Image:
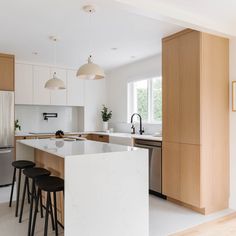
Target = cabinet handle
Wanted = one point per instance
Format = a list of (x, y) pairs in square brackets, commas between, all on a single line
[(5, 151)]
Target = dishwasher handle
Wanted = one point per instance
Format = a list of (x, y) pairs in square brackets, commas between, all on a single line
[(146, 146)]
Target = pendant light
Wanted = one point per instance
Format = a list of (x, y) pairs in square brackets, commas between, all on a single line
[(55, 83), (90, 70)]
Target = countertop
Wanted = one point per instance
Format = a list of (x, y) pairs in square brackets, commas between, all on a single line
[(115, 134), (62, 148)]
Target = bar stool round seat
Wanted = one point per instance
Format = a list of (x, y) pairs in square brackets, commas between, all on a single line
[(23, 164), (19, 165), (36, 172), (48, 184)]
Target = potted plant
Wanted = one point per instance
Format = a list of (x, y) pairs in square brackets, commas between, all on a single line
[(106, 116), (17, 125)]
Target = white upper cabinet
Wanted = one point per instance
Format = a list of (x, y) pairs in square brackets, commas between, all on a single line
[(41, 96), (75, 89), (23, 84), (58, 97), (30, 88)]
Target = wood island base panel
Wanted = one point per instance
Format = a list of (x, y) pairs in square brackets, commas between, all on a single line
[(56, 166)]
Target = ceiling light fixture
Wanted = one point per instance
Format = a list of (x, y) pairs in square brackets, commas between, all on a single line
[(55, 83), (90, 70)]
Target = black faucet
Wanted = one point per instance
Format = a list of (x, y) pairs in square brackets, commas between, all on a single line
[(141, 130)]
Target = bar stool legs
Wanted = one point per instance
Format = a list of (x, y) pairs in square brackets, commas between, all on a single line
[(48, 211), (55, 211), (51, 213), (23, 201), (46, 217), (28, 192), (18, 192), (31, 206), (12, 186)]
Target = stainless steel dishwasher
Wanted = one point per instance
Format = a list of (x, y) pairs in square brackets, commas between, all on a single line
[(155, 164)]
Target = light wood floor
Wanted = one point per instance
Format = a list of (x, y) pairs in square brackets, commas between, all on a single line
[(225, 226)]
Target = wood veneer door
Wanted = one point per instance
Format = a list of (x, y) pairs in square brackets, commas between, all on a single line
[(171, 90), (6, 72), (190, 185), (189, 82), (215, 121), (171, 170)]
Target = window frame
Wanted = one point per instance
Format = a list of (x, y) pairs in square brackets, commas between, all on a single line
[(131, 103)]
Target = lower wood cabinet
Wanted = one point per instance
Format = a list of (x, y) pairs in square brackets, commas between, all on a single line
[(99, 138), (181, 173), (171, 170)]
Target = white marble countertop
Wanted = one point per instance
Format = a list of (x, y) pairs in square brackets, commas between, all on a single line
[(62, 148), (115, 134), (22, 133)]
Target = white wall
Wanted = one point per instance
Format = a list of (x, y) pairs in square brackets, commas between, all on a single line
[(95, 97), (117, 80), (232, 127), (31, 118)]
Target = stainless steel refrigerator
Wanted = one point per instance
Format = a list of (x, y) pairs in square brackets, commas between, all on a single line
[(6, 136)]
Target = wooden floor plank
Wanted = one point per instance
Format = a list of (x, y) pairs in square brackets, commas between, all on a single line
[(225, 226)]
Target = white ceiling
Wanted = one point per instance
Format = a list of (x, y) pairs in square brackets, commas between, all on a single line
[(26, 25), (214, 16), (218, 10)]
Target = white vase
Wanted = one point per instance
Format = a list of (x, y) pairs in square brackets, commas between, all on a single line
[(105, 126)]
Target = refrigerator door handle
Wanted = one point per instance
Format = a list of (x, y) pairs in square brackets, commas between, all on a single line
[(5, 151)]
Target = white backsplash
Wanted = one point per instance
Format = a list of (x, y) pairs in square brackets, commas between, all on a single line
[(126, 127), (31, 118)]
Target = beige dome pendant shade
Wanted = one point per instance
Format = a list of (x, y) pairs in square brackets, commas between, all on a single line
[(54, 83), (90, 71)]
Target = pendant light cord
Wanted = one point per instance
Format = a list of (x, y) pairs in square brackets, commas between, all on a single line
[(90, 37), (55, 56), (55, 52)]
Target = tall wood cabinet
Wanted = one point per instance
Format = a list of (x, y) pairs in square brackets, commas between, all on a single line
[(196, 120), (6, 72)]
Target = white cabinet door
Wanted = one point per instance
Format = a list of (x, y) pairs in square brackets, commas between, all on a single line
[(23, 84), (41, 95), (75, 89), (58, 97)]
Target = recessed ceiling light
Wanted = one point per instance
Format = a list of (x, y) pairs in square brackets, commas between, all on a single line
[(114, 49)]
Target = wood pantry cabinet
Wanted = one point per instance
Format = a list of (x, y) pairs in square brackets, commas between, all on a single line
[(7, 72), (196, 120)]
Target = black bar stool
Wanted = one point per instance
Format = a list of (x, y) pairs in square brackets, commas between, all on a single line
[(33, 174), (49, 184), (19, 165)]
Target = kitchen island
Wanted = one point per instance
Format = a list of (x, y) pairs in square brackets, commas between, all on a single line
[(106, 185)]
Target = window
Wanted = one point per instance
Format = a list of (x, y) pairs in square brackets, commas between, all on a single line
[(145, 98)]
